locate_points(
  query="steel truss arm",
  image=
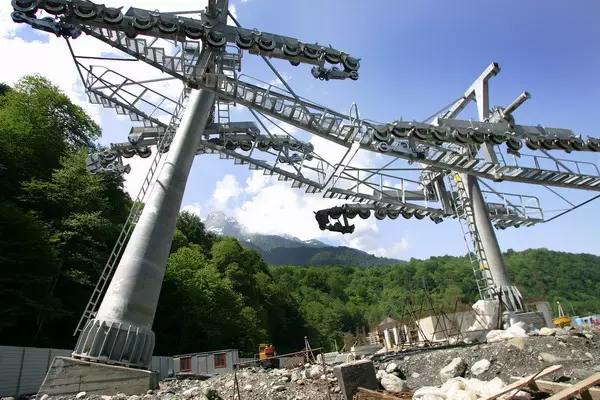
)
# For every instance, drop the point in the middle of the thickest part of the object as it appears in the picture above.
(208, 28)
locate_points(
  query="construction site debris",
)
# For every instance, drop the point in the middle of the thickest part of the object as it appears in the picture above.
(392, 383)
(513, 357)
(457, 367)
(480, 367)
(458, 372)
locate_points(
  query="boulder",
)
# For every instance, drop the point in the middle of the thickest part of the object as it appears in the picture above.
(457, 367)
(392, 383)
(480, 367)
(391, 368)
(550, 358)
(547, 331)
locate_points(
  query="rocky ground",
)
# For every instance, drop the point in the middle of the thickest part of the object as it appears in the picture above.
(456, 368)
(577, 350)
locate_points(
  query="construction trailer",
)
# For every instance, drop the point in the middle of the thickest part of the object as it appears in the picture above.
(205, 364)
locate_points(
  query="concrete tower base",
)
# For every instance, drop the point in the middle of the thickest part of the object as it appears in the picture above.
(69, 376)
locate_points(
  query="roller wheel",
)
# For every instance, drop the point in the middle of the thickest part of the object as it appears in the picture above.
(514, 144)
(85, 10)
(421, 134)
(478, 137)
(548, 144)
(143, 23)
(311, 53)
(351, 214)
(216, 39)
(381, 134)
(244, 42)
(577, 143)
(112, 15)
(295, 63)
(164, 149)
(400, 133)
(335, 213)
(54, 7)
(332, 58)
(144, 152)
(230, 145)
(25, 6)
(364, 214)
(460, 137)
(263, 146)
(276, 146)
(383, 147)
(291, 50)
(166, 26)
(353, 75)
(533, 144)
(564, 144)
(593, 145)
(393, 214)
(293, 145)
(351, 64)
(194, 33)
(128, 153)
(497, 139)
(440, 135)
(266, 44)
(380, 214)
(246, 146)
(419, 215)
(407, 214)
(109, 156)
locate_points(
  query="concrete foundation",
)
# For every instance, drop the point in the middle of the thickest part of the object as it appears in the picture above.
(353, 375)
(69, 376)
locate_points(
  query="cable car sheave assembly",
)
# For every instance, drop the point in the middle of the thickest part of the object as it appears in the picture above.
(205, 53)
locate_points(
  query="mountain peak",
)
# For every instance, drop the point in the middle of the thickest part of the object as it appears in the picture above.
(220, 223)
(286, 249)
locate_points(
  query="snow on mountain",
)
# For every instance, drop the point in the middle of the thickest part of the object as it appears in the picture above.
(286, 249)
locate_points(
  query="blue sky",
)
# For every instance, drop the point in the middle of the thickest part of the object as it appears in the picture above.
(416, 57)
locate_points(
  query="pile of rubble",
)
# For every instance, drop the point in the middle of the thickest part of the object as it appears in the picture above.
(492, 365)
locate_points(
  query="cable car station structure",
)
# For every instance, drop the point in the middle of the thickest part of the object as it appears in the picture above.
(206, 54)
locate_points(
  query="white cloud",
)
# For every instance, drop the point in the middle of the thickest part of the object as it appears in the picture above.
(226, 188)
(195, 208)
(257, 182)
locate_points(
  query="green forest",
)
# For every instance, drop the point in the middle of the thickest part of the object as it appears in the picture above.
(58, 224)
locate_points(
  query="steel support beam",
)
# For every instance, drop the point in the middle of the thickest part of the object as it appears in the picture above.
(488, 241)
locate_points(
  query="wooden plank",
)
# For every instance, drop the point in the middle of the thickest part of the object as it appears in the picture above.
(577, 388)
(555, 387)
(372, 394)
(524, 381)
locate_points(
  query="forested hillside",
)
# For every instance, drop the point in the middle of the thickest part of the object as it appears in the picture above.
(58, 224)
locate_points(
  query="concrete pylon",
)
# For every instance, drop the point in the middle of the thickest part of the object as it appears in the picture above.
(122, 333)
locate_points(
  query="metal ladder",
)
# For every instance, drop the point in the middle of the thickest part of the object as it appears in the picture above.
(223, 114)
(229, 64)
(479, 263)
(134, 214)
